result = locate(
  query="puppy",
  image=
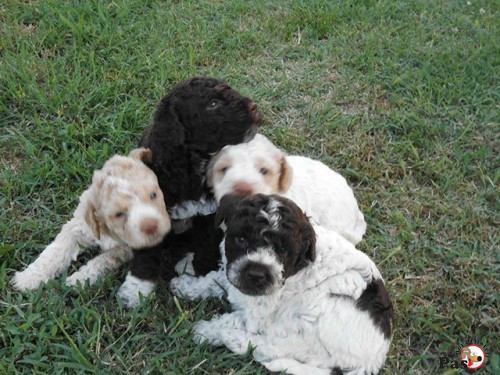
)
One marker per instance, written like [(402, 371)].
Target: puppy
[(260, 167), (122, 210), (194, 120), (303, 297)]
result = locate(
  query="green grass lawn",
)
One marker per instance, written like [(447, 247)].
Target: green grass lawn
[(401, 97)]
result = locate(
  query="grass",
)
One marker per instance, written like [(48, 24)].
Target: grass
[(401, 97)]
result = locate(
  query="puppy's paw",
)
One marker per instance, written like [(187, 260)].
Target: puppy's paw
[(181, 286), (185, 265), (130, 291), (77, 277), (206, 331), (27, 280), (350, 284)]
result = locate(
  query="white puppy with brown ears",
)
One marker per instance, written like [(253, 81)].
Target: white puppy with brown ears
[(260, 167), (122, 210)]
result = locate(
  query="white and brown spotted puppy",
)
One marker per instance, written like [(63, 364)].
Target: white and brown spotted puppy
[(260, 167), (122, 210), (302, 296)]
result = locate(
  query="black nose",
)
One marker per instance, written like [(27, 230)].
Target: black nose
[(257, 275)]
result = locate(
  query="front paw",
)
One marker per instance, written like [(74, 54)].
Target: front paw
[(131, 290), (74, 279), (205, 331), (185, 265), (181, 286), (27, 280)]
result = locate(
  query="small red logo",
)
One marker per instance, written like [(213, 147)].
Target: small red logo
[(472, 357)]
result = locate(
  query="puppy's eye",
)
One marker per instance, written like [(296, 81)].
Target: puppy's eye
[(213, 104), (241, 241), (152, 196), (120, 214), (223, 170), (264, 171)]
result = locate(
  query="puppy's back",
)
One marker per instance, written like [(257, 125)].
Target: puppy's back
[(319, 190)]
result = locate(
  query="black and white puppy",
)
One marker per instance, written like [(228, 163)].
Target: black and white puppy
[(303, 296), (194, 120)]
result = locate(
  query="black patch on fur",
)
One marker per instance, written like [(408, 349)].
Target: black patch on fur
[(376, 301), (159, 261), (337, 371)]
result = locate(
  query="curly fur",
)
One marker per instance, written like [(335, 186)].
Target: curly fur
[(306, 300), (186, 131), (194, 120), (260, 167), (115, 213)]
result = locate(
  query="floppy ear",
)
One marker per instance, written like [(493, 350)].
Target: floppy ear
[(98, 178), (167, 126), (307, 244), (226, 208), (308, 240), (286, 175), (142, 154), (92, 221)]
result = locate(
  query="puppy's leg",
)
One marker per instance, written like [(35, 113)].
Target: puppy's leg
[(362, 263), (185, 265), (56, 257), (349, 283), (132, 288), (214, 284), (145, 269), (225, 330), (110, 260), (344, 259)]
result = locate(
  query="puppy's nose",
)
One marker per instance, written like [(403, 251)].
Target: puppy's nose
[(149, 226), (257, 275), (254, 112), (242, 189), (252, 107)]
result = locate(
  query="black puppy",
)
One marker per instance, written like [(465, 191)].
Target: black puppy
[(194, 120)]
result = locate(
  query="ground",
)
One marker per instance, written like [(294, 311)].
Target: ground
[(401, 97)]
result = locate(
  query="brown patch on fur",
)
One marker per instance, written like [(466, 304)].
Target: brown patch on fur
[(286, 175), (91, 219), (142, 154), (376, 301)]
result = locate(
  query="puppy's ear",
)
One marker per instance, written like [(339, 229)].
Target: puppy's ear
[(226, 209), (307, 245), (309, 241), (142, 154), (167, 125), (98, 177), (92, 221), (286, 175)]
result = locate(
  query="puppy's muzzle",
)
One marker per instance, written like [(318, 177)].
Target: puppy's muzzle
[(256, 279), (242, 189), (254, 111)]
